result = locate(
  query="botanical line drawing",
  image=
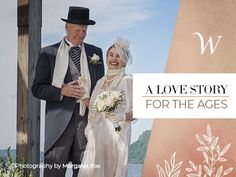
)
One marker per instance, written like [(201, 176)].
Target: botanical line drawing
[(171, 169), (212, 155)]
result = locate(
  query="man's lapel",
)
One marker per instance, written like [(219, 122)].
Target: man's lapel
[(90, 66)]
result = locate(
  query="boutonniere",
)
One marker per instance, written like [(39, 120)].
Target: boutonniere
[(95, 59)]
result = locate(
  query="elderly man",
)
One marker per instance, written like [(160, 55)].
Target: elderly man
[(66, 74)]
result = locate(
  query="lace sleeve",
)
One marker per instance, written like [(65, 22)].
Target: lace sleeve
[(128, 89)]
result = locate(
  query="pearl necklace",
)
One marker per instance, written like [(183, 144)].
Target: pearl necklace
[(113, 74), (109, 81)]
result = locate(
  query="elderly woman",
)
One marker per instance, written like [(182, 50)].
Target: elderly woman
[(109, 130)]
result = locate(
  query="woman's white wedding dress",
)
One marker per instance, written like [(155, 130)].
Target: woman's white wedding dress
[(106, 154)]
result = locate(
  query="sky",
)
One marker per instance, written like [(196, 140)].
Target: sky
[(147, 24)]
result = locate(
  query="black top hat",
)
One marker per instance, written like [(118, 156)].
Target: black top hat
[(78, 15)]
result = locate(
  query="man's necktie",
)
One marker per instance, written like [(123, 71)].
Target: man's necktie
[(74, 53)]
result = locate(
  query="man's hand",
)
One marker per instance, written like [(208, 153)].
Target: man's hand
[(86, 102), (72, 89)]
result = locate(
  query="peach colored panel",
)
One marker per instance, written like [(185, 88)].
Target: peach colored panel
[(211, 18), (178, 135)]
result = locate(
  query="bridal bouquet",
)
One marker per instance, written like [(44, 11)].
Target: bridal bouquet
[(107, 102)]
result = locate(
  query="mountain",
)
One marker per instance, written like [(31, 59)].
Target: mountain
[(137, 150)]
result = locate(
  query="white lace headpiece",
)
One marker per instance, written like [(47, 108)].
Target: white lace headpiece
[(122, 47)]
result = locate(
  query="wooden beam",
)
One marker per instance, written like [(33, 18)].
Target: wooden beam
[(22, 78), (29, 20)]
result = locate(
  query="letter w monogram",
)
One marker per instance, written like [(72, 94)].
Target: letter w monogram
[(210, 42)]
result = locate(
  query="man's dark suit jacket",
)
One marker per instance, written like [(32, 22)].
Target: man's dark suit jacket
[(59, 112)]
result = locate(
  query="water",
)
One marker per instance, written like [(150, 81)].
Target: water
[(134, 170)]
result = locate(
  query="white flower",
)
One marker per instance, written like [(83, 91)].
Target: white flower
[(115, 94), (108, 101), (100, 106), (95, 59)]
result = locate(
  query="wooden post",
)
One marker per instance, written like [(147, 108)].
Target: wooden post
[(29, 20)]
